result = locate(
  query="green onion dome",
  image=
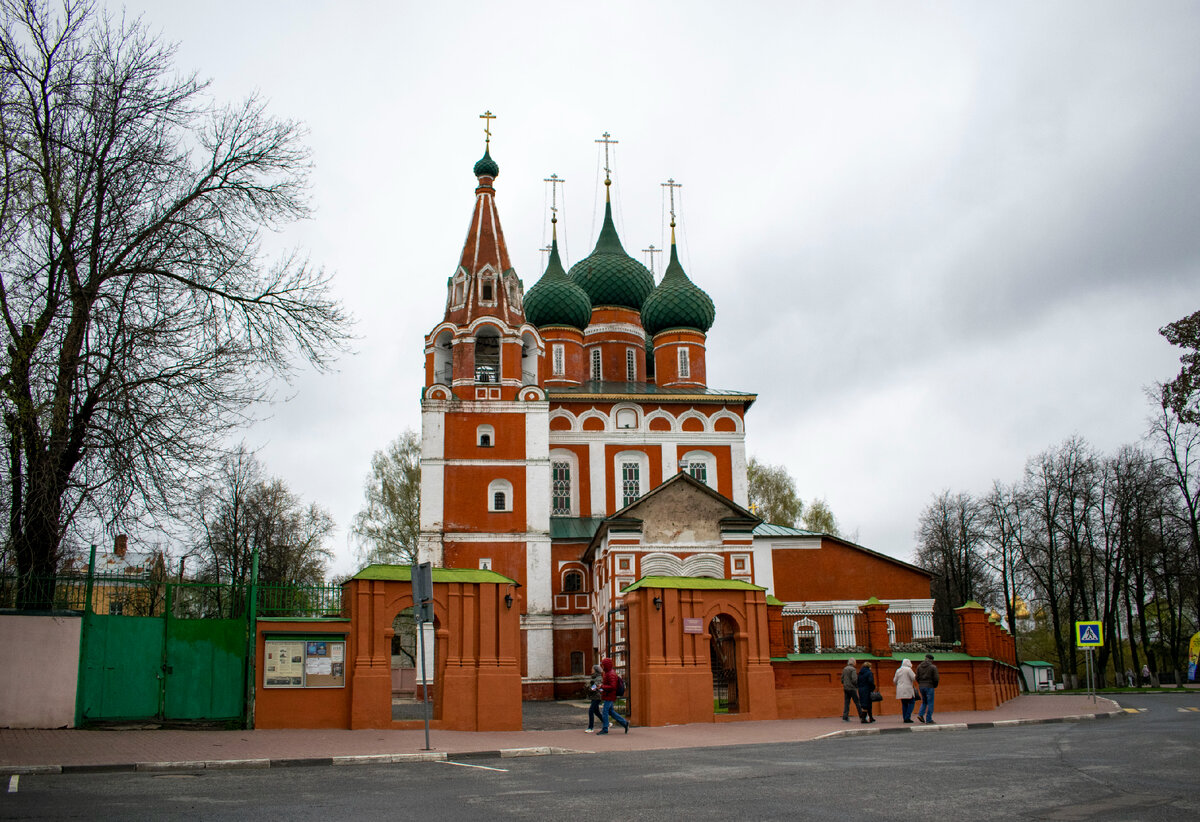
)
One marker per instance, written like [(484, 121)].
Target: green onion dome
[(609, 275), (486, 166), (677, 302), (557, 300)]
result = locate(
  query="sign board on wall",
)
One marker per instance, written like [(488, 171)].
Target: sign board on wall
[(693, 625), (304, 663)]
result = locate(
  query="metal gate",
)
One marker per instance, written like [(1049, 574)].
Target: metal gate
[(156, 667), (618, 650), (723, 653)]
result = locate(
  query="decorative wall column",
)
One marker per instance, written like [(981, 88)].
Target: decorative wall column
[(878, 641)]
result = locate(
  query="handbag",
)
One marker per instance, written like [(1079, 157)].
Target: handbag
[(876, 696)]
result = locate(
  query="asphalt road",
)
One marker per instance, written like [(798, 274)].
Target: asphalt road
[(1145, 765)]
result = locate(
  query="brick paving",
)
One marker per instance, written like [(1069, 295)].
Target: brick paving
[(26, 751)]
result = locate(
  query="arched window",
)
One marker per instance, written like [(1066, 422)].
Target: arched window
[(572, 582), (627, 418), (485, 436), (499, 495), (702, 466), (632, 472), (443, 363), (806, 636), (560, 360), (487, 355), (891, 626)]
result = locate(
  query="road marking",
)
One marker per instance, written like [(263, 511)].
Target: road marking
[(466, 765), (1188, 710), (12, 783)]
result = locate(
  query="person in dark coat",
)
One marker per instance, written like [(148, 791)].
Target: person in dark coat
[(608, 691), (866, 684), (849, 690)]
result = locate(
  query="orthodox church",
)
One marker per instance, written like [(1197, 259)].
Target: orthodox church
[(571, 442)]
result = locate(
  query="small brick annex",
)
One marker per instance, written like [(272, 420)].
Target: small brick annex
[(671, 675), (477, 639)]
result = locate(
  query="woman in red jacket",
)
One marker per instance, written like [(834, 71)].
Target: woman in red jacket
[(608, 690)]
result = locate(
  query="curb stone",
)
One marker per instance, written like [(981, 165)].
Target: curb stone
[(968, 726)]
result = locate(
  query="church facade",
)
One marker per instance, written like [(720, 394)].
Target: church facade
[(553, 420)]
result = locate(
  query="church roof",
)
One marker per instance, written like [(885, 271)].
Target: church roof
[(609, 275), (556, 299), (485, 240), (677, 302), (611, 390)]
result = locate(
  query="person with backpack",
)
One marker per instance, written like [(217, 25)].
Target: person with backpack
[(610, 688)]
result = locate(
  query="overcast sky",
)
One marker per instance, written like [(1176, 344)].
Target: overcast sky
[(941, 237)]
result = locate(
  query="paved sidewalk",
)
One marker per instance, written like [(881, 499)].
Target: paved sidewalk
[(53, 751)]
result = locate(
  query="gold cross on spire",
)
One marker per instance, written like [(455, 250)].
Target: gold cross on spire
[(652, 251), (607, 142), (553, 180), (487, 116)]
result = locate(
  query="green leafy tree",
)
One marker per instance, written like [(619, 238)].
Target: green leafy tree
[(773, 494), (1180, 394), (818, 517), (390, 521)]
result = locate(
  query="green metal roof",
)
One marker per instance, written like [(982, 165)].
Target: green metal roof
[(486, 166), (770, 530), (609, 275), (403, 573), (692, 584), (1036, 664), (771, 600), (677, 302), (610, 390), (557, 300), (579, 528)]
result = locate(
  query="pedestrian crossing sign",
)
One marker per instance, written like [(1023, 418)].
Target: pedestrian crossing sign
[(1089, 634)]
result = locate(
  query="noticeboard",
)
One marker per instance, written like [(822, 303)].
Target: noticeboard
[(290, 662)]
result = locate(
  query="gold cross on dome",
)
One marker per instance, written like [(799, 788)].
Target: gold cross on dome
[(553, 180), (607, 142), (652, 251), (671, 185), (487, 116)]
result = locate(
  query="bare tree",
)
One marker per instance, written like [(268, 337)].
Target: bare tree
[(1180, 395), (950, 539), (247, 513), (389, 523), (140, 319), (772, 493)]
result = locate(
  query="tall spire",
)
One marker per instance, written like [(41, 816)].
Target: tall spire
[(485, 240)]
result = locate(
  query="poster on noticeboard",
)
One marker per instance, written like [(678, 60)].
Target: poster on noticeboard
[(304, 663)]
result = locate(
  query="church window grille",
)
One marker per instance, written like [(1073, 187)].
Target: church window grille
[(560, 361), (487, 358), (595, 363), (685, 366), (630, 365), (499, 500), (573, 582), (499, 495), (631, 485), (560, 484), (699, 471), (576, 663)]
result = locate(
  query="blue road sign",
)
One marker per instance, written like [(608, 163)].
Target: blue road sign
[(1089, 634)]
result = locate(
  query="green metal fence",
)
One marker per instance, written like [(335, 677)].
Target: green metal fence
[(119, 595)]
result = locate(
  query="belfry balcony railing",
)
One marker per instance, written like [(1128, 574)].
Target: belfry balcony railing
[(487, 373)]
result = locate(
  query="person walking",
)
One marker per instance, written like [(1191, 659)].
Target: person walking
[(608, 691), (1146, 676), (1130, 681), (866, 684), (927, 681), (597, 699), (850, 690), (905, 681)]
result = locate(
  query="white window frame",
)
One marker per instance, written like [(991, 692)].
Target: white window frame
[(642, 460), (560, 360), (597, 365), (706, 459), (812, 628), (485, 431), (500, 486), (630, 365), (685, 364)]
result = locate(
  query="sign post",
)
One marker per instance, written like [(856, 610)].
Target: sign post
[(1089, 635), (422, 593)]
